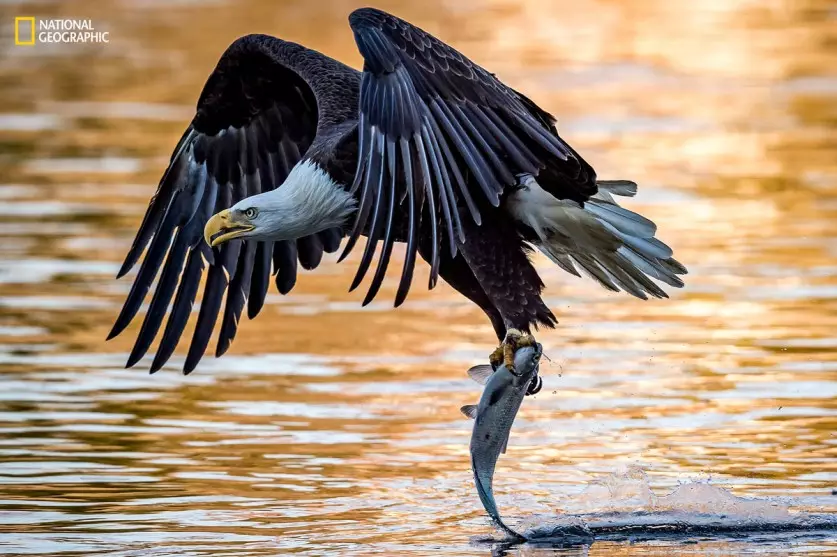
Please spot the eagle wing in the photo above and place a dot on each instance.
(438, 131)
(255, 118)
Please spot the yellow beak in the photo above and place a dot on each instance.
(224, 228)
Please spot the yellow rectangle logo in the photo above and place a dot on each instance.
(20, 40)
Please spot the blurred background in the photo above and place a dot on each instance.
(329, 425)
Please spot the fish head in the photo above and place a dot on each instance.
(526, 364)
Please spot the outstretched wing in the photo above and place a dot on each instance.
(255, 118)
(442, 133)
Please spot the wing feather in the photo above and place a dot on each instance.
(255, 117)
(184, 241)
(453, 165)
(260, 279)
(309, 251)
(463, 137)
(412, 225)
(182, 307)
(424, 171)
(158, 205)
(372, 173)
(377, 219)
(386, 250)
(446, 199)
(285, 265)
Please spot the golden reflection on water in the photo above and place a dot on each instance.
(348, 430)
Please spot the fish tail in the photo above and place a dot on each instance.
(486, 494)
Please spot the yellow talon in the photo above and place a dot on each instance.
(496, 358)
(504, 354)
(508, 355)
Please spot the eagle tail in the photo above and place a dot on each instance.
(614, 246)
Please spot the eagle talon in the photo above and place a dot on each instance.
(496, 358)
(504, 354)
(508, 355)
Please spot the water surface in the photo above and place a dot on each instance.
(334, 429)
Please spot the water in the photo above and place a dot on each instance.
(334, 430)
(624, 507)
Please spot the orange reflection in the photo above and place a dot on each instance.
(298, 440)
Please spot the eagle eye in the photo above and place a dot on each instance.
(251, 213)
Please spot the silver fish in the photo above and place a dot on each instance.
(493, 418)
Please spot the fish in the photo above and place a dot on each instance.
(493, 417)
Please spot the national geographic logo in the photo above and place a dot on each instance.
(69, 31)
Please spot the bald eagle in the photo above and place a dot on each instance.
(291, 151)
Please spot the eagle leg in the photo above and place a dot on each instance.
(504, 354)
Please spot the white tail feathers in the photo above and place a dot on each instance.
(613, 245)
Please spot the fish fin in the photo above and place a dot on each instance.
(470, 410)
(481, 373)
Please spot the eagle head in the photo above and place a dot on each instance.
(307, 202)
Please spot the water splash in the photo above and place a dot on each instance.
(622, 506)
